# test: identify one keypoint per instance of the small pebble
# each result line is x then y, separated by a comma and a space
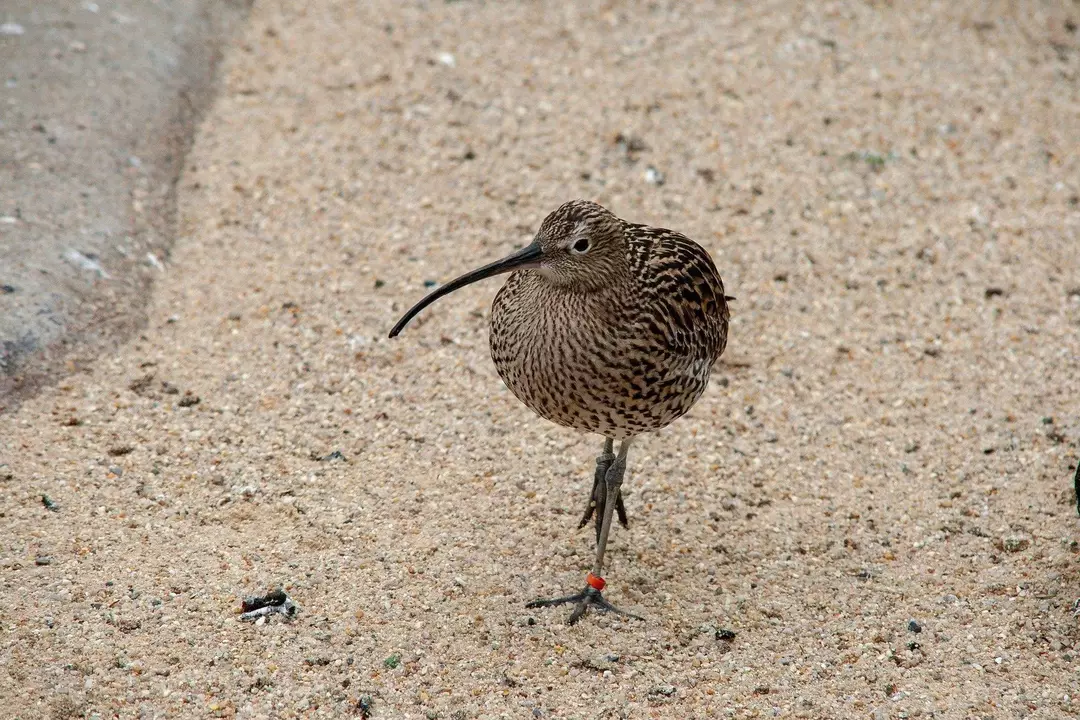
914, 627
257, 608
1015, 544
43, 560
85, 262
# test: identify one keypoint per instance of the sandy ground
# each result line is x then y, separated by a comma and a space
891, 190
98, 105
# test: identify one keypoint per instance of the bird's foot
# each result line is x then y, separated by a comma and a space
598, 497
591, 596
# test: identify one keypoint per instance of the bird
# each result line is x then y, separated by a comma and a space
606, 327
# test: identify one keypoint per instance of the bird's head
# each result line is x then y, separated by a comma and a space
580, 246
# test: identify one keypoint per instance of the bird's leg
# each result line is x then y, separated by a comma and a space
591, 595
598, 497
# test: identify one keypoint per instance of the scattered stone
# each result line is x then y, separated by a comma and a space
654, 176
992, 292
43, 560
364, 706
725, 634
874, 160
630, 145
662, 690
88, 263
336, 455
189, 400
142, 384
121, 450
49, 504
275, 602
392, 662
7, 289
1013, 543
12, 28
1076, 486
914, 627
601, 662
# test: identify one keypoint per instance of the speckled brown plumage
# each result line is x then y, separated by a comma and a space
625, 352
608, 327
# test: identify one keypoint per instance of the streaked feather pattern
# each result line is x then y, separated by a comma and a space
618, 342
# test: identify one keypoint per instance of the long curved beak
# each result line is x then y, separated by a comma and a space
526, 257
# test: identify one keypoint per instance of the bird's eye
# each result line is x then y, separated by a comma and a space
581, 246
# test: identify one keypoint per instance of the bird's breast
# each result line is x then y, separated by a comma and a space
575, 359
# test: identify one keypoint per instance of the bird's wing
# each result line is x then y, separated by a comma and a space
685, 312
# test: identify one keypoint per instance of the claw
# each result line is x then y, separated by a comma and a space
589, 597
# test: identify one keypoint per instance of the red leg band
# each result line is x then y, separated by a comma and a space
597, 583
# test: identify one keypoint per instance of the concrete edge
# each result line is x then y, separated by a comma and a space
66, 321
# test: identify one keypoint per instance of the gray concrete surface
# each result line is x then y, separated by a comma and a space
100, 100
